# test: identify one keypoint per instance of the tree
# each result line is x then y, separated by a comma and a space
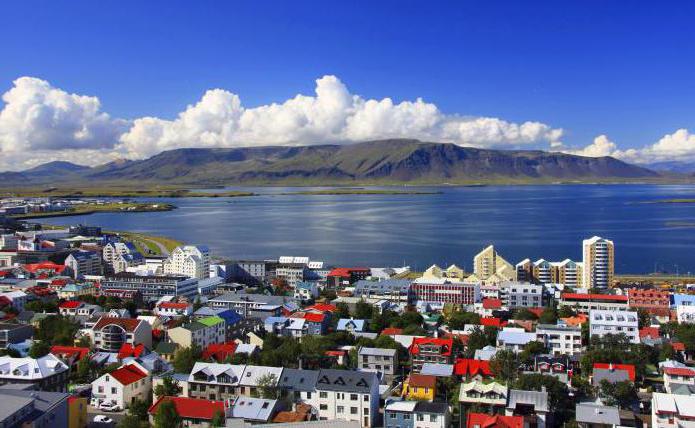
621, 394
558, 394
363, 310
406, 319
524, 314
57, 329
185, 358
549, 315
458, 320
168, 388
83, 371
130, 421
218, 419
266, 386
566, 312
476, 340
39, 349
167, 416
343, 311
505, 365
530, 351
644, 319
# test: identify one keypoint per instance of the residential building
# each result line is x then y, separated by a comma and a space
201, 333
656, 302
430, 350
484, 420
47, 373
384, 361
593, 415
250, 305
391, 290
612, 373
675, 376
299, 385
343, 277
191, 261
514, 339
291, 272
412, 414
560, 339
212, 381
349, 395
109, 334
194, 412
533, 405
442, 292
119, 256
32, 408
685, 314
351, 325
151, 287
122, 386
472, 369
453, 272
169, 308
251, 378
584, 303
521, 295
602, 323
599, 262
489, 266
14, 333
16, 298
83, 263
672, 410
250, 272
491, 395
568, 272
306, 291
420, 387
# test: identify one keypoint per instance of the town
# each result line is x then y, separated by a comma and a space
96, 333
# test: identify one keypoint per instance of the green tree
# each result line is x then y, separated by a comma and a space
83, 371
343, 311
505, 365
530, 351
476, 340
167, 416
168, 388
549, 315
621, 394
218, 419
644, 319
266, 386
57, 330
39, 349
458, 320
130, 421
566, 312
524, 314
185, 359
363, 310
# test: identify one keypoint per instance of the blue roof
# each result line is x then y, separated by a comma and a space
680, 299
356, 325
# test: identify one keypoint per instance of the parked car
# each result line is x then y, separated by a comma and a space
102, 419
109, 407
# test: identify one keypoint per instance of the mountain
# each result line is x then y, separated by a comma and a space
394, 161
56, 170
673, 166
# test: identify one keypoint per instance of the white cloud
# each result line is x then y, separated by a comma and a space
601, 146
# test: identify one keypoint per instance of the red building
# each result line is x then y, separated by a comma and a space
343, 277
430, 350
656, 302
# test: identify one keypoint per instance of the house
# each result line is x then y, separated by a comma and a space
514, 339
250, 305
194, 412
33, 408
253, 376
14, 333
47, 373
420, 387
214, 381
533, 405
306, 291
17, 299
252, 410
348, 395
122, 386
384, 361
237, 326
559, 366
612, 373
289, 327
391, 290
486, 353
488, 307
70, 308
201, 333
351, 325
298, 385
685, 314
672, 410
109, 333
70, 355
411, 414
560, 339
471, 369
220, 352
492, 396
604, 322
343, 277
592, 415
83, 263
173, 309
75, 291
431, 350
675, 376
484, 420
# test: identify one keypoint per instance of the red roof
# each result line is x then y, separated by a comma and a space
173, 305
312, 317
219, 351
580, 296
651, 332
678, 346
191, 408
471, 367
34, 267
338, 353
629, 368
69, 351
347, 272
391, 331
322, 307
679, 371
71, 304
492, 303
492, 322
128, 324
483, 420
4, 301
59, 282
420, 380
128, 350
446, 344
128, 374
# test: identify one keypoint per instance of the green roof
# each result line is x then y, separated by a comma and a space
210, 321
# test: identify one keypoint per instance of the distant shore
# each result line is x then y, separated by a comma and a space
127, 207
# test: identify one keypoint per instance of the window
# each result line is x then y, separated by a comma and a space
353, 397
365, 397
341, 409
420, 417
323, 394
323, 406
113, 390
353, 410
433, 418
406, 417
392, 416
366, 410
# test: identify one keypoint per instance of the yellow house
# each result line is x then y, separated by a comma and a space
420, 387
77, 412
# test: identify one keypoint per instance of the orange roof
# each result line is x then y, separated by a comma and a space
391, 331
300, 415
575, 321
191, 408
421, 380
34, 267
483, 420
312, 317
446, 344
678, 346
173, 305
580, 296
322, 307
629, 368
492, 322
651, 332
69, 351
346, 272
680, 371
492, 303
72, 304
128, 374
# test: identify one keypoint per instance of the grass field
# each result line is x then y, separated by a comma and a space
149, 244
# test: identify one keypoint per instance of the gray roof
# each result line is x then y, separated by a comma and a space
346, 381
431, 407
681, 388
537, 399
612, 376
597, 414
434, 369
12, 400
384, 352
394, 286
298, 380
255, 409
257, 298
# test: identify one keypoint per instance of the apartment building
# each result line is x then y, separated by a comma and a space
347, 395
567, 272
560, 339
598, 262
602, 323
191, 261
201, 333
47, 373
489, 266
584, 303
442, 291
380, 360
430, 350
521, 295
119, 256
151, 287
110, 334
392, 290
685, 314
656, 302
83, 263
250, 305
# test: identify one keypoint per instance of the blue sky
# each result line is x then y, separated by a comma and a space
625, 70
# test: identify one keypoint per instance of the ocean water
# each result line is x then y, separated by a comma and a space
547, 221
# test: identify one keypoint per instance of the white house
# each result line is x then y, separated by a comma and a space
560, 339
672, 410
603, 322
348, 395
685, 314
166, 307
514, 339
192, 261
122, 386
